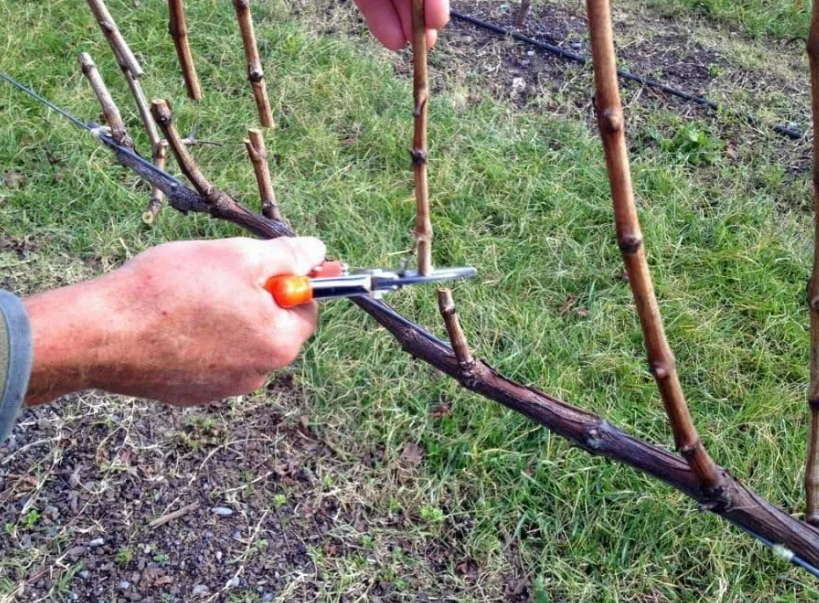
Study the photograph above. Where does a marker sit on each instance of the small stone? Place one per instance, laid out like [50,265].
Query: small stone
[51,512]
[123,585]
[267,597]
[84,574]
[97,542]
[525,63]
[73,596]
[577,45]
[222,511]
[237,535]
[218,555]
[199,589]
[530,53]
[233,582]
[76,551]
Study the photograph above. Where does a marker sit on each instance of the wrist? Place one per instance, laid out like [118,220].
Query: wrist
[75,336]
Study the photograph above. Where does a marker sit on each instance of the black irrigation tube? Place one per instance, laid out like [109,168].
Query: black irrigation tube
[626,75]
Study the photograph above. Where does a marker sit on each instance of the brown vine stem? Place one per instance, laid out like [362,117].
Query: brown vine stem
[122,51]
[219,204]
[812,466]
[630,239]
[158,154]
[161,112]
[254,64]
[735,502]
[254,143]
[178,28]
[460,347]
[420,88]
[109,108]
[523,12]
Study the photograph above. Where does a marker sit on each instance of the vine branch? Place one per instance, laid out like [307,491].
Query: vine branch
[812,461]
[109,108]
[122,51]
[158,154]
[255,73]
[630,240]
[178,28]
[420,88]
[254,144]
[446,305]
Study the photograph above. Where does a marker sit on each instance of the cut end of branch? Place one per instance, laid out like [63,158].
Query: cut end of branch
[161,111]
[148,217]
[446,306]
[256,150]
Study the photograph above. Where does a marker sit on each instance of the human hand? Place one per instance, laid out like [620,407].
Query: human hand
[391,20]
[184,323]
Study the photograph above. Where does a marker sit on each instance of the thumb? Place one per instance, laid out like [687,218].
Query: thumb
[289,255]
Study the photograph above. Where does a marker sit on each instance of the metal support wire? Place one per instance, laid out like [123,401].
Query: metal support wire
[626,75]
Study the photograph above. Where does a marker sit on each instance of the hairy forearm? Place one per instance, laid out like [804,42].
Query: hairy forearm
[74,332]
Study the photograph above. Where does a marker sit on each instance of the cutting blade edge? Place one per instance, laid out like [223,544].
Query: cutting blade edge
[411,277]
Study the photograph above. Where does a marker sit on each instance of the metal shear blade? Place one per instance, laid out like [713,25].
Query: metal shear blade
[390,281]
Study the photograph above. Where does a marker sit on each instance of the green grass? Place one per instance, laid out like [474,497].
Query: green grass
[784,19]
[524,198]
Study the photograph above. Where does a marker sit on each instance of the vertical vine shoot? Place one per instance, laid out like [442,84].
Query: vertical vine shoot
[420,88]
[661,361]
[812,463]
[255,73]
[178,28]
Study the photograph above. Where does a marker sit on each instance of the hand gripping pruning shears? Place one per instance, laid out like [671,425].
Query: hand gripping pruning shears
[332,279]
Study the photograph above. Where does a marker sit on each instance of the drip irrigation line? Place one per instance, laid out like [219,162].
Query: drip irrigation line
[791,133]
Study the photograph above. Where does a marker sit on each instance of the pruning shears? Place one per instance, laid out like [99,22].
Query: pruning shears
[332,279]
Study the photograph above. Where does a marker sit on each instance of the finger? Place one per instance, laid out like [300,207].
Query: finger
[295,324]
[404,10]
[285,255]
[292,328]
[432,36]
[384,22]
[305,319]
[436,14]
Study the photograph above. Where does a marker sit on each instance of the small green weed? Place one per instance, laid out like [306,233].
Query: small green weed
[694,145]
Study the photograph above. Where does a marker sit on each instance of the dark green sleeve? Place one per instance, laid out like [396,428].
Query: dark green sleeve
[15,359]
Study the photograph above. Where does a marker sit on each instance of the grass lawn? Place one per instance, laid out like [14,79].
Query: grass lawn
[784,19]
[517,192]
